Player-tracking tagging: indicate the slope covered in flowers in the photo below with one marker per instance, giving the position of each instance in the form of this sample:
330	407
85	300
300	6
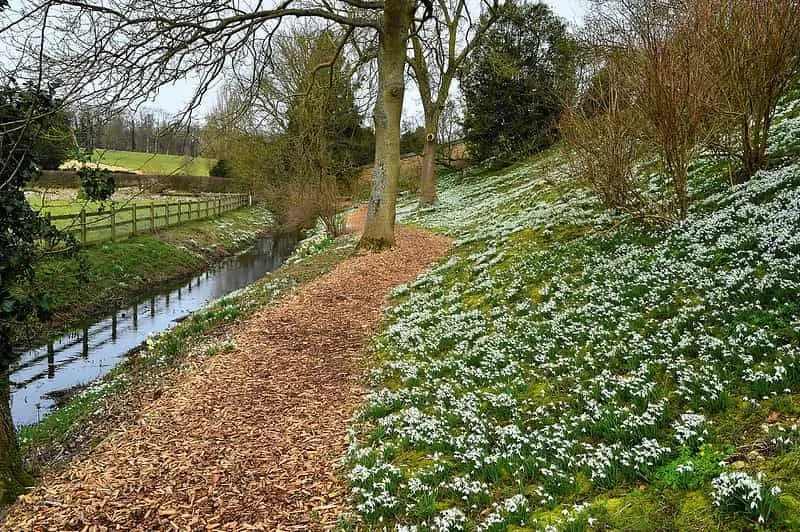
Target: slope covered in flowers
567	369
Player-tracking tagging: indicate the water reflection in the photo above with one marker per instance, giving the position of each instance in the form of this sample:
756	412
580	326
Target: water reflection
82	356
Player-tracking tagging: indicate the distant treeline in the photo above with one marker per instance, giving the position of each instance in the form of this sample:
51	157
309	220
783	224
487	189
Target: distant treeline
148	131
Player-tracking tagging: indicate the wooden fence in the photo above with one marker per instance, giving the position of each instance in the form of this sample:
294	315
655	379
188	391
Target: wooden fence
137	218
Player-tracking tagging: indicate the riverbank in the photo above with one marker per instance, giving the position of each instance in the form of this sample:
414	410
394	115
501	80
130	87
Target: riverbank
91	415
99	278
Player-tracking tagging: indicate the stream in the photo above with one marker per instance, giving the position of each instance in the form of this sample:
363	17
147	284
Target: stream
76	359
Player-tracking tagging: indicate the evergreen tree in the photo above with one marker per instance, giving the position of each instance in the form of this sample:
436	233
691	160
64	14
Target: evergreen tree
514	84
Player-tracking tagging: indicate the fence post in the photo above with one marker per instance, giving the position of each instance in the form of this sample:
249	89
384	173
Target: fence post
179	211
133	220
83	226
113	222
152	218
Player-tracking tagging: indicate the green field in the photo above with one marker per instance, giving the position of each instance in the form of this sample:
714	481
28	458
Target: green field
69	205
151	163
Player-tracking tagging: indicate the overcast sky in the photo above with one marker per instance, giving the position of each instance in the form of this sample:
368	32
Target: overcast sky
174	98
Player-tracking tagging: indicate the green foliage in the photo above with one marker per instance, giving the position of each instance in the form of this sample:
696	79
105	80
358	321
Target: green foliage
21	228
413	141
96	183
222	168
514	82
54	143
691	470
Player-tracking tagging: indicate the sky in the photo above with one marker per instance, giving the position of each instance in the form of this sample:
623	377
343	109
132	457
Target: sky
174	98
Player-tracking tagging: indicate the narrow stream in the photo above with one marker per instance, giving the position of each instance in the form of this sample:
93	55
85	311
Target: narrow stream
85	355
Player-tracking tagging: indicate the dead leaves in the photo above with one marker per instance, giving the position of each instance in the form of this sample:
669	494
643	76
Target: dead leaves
251	440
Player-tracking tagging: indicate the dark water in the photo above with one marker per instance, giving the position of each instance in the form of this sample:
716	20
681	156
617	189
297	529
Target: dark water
89	353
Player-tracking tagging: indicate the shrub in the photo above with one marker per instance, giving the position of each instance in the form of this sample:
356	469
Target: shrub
222	168
604	146
753	49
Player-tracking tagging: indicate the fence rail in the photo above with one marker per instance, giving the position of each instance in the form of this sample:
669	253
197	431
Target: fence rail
115	223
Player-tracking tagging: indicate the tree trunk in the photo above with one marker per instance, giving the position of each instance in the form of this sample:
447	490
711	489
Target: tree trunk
379	225
13	479
427	193
133	135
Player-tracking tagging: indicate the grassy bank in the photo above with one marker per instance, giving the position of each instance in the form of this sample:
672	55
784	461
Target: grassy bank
100	277
569	369
154	163
119	396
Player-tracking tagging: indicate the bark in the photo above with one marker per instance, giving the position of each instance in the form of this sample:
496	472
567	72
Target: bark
12	475
379	225
427	193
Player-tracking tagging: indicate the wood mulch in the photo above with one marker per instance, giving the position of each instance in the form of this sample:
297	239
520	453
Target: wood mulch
251	440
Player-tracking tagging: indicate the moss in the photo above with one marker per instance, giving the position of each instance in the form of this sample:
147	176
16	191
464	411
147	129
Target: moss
788	512
639	510
412	460
695	513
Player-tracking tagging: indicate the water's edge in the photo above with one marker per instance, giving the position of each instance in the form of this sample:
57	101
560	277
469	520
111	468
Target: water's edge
40	377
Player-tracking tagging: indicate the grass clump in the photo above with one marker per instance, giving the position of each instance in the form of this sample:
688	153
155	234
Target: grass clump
690	471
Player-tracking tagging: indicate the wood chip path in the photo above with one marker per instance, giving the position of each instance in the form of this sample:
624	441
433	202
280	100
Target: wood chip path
250	441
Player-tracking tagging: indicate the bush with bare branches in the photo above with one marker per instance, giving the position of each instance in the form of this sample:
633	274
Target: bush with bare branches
753	51
604	146
652	47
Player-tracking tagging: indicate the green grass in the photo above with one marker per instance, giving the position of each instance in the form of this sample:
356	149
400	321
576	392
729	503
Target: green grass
150	163
164	209
98	277
58	207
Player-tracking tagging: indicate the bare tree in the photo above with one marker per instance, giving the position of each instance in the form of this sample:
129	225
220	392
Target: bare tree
753	48
121	51
439	51
663	69
450	132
